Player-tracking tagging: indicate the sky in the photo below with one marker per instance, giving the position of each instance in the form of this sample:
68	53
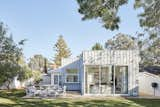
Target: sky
42	21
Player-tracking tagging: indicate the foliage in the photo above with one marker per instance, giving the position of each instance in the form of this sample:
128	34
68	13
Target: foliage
149	49
11	63
9	51
9	56
62	51
121	42
150	21
104	10
37	62
37	76
25	73
8	71
150	16
97	46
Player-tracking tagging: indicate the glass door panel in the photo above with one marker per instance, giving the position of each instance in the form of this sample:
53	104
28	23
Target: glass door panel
106	86
99	80
106	79
93	79
121	80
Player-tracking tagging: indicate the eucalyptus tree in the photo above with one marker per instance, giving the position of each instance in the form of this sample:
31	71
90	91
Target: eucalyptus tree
150	21
38	63
122	42
104	10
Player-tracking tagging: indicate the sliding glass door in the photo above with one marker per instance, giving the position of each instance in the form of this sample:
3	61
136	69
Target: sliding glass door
121	80
92	79
106	79
98	80
106	86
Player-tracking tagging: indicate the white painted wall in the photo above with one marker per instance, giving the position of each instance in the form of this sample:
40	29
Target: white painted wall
16	84
145	81
128	58
46	79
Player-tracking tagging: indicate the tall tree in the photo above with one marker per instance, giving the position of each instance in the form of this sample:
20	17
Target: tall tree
150	16
97	46
37	63
150	21
45	65
24	72
122	42
104	10
150	49
62	51
10	54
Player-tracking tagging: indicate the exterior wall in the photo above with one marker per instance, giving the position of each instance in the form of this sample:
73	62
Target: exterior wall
16	84
74	63
145	81
128	58
46	79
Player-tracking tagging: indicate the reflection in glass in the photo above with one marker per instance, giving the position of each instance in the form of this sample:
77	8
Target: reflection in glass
121	80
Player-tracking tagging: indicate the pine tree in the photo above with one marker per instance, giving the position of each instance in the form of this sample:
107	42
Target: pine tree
62	51
97	46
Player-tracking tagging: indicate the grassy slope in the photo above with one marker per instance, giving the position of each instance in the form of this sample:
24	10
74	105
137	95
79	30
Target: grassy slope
13	99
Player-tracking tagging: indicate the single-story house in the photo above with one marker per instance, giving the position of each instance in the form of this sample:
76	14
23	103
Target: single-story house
103	72
152	69
146	80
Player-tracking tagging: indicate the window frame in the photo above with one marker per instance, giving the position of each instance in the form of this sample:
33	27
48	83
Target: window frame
72	74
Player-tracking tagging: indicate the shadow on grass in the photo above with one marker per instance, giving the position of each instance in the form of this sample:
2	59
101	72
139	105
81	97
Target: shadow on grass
12	93
145	102
69	103
15	96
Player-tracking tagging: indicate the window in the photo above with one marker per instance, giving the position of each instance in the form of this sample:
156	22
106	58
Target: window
72	76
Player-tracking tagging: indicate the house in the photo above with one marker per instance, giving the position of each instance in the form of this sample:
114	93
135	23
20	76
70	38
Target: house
147	76
103	72
146	80
152	69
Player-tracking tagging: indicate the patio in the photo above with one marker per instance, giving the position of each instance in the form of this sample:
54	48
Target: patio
43	91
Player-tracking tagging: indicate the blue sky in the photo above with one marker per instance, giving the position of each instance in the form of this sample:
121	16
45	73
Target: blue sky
42	21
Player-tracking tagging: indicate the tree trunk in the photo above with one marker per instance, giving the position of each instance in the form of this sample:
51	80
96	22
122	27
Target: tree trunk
8	85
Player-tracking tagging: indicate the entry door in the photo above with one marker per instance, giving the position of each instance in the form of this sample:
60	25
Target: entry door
57	79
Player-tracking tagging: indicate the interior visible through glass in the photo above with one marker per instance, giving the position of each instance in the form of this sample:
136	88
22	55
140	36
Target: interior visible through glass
121	80
101	79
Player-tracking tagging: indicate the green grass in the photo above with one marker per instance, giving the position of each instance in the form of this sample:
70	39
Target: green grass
13	98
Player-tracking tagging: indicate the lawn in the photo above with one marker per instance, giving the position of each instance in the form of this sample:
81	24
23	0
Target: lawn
13	99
